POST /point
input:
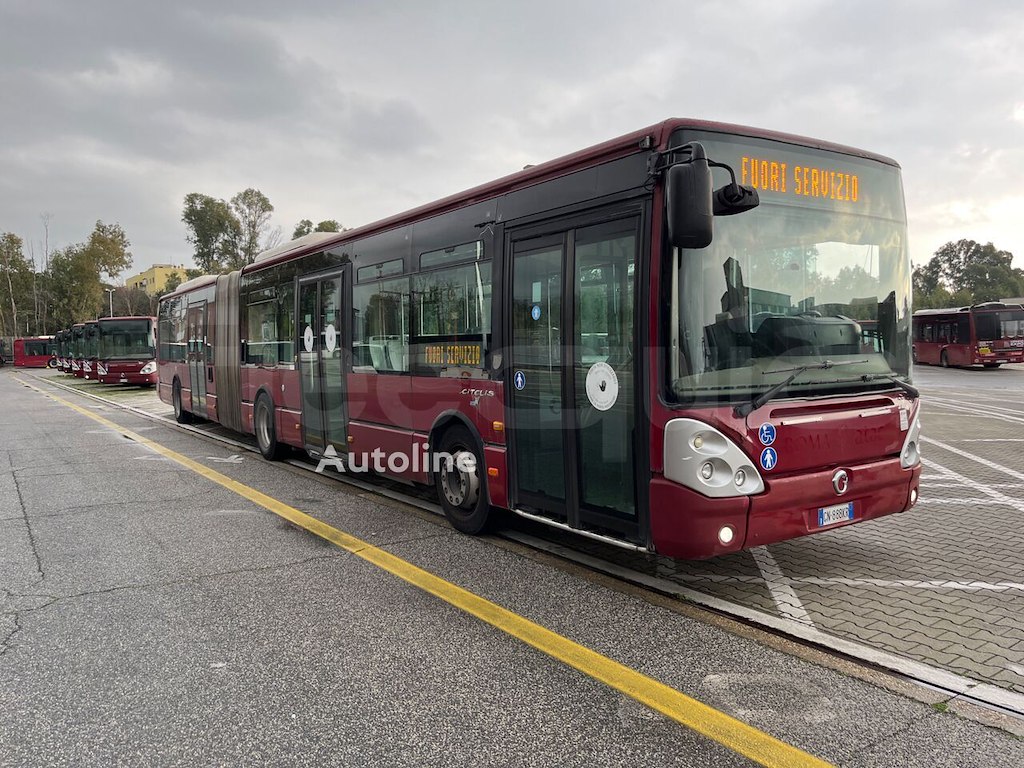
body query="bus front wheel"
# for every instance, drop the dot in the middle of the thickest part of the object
(458, 478)
(266, 433)
(180, 414)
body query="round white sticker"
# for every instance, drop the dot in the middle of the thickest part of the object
(330, 337)
(602, 386)
(307, 338)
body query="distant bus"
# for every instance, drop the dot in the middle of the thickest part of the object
(89, 349)
(988, 334)
(127, 351)
(598, 342)
(35, 352)
(76, 349)
(60, 340)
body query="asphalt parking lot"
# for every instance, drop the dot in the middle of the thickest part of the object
(126, 602)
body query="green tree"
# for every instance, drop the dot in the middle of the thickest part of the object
(252, 209)
(965, 272)
(78, 291)
(173, 282)
(305, 227)
(15, 283)
(213, 230)
(107, 249)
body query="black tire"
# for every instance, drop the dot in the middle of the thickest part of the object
(462, 494)
(263, 426)
(944, 359)
(180, 414)
(51, 363)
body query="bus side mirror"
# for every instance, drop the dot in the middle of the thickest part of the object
(688, 206)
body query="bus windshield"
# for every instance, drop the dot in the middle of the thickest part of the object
(1006, 324)
(127, 340)
(816, 275)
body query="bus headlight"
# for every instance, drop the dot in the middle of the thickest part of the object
(101, 369)
(700, 457)
(149, 367)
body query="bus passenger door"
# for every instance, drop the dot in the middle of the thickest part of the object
(321, 332)
(571, 377)
(195, 322)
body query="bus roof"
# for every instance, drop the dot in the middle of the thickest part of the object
(987, 306)
(126, 317)
(653, 136)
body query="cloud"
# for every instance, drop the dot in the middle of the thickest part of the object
(354, 111)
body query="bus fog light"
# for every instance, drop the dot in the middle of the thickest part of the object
(707, 470)
(726, 534)
(740, 478)
(698, 442)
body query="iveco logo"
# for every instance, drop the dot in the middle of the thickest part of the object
(840, 482)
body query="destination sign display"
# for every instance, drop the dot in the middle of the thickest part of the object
(789, 174)
(779, 176)
(453, 353)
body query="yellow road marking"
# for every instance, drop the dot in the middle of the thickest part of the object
(728, 731)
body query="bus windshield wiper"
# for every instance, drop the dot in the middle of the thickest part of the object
(746, 408)
(911, 390)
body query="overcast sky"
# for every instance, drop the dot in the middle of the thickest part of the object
(354, 111)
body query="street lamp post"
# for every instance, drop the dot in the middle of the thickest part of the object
(110, 295)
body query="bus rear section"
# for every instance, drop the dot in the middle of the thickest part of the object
(988, 334)
(35, 352)
(127, 351)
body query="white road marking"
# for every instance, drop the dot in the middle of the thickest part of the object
(992, 440)
(972, 457)
(234, 458)
(992, 493)
(782, 593)
(937, 585)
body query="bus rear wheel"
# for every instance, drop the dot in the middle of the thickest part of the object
(263, 425)
(459, 481)
(180, 414)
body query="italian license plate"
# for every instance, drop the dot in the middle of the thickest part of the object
(837, 513)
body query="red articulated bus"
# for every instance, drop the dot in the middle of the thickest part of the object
(988, 334)
(595, 342)
(127, 351)
(35, 352)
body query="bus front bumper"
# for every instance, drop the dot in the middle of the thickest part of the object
(687, 525)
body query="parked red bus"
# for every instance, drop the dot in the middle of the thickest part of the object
(595, 341)
(76, 349)
(34, 352)
(60, 341)
(988, 334)
(127, 351)
(90, 349)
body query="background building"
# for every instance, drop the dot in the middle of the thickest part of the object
(153, 280)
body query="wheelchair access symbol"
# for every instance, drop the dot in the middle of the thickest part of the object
(766, 433)
(769, 458)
